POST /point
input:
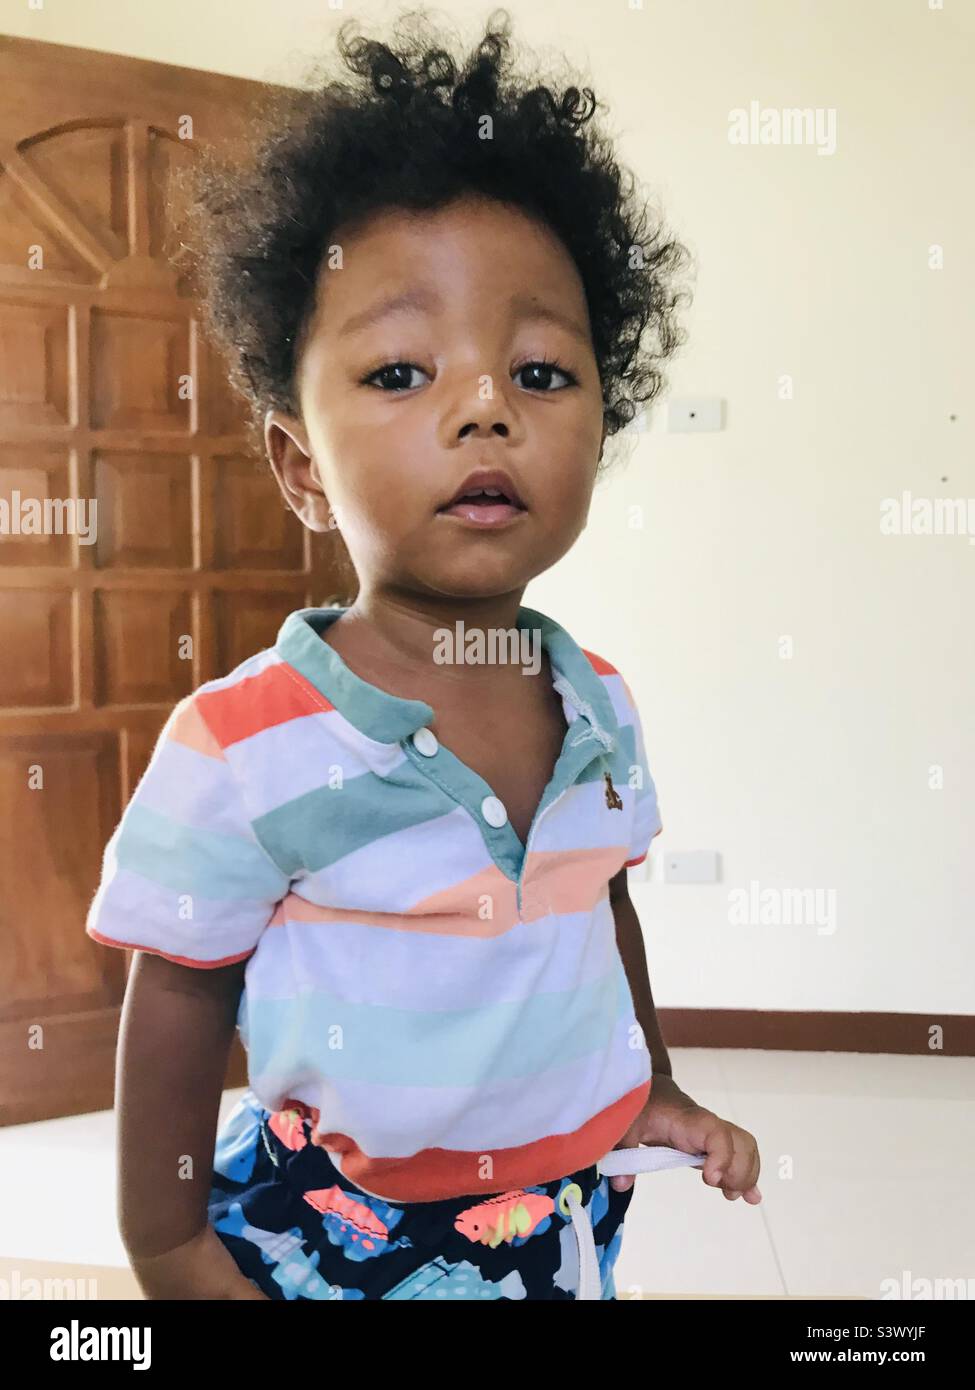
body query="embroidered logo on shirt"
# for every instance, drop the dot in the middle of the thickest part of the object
(613, 800)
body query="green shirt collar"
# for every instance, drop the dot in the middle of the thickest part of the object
(389, 718)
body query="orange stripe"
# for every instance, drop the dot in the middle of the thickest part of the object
(599, 664)
(455, 917)
(567, 881)
(435, 1174)
(556, 882)
(277, 694)
(177, 960)
(190, 728)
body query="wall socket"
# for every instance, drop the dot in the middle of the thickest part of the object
(693, 415)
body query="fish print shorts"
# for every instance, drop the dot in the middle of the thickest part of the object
(298, 1229)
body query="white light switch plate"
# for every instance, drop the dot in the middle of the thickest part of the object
(692, 866)
(694, 414)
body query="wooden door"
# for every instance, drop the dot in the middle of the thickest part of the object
(108, 394)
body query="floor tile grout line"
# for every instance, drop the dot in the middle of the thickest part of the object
(763, 1213)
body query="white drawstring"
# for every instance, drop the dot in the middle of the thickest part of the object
(641, 1159)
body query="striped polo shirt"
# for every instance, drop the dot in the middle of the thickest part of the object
(447, 1004)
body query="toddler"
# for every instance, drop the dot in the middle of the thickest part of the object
(392, 848)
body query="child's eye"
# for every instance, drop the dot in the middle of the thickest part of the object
(545, 370)
(393, 369)
(395, 376)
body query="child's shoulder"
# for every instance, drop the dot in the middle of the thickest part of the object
(226, 709)
(610, 674)
(242, 702)
(567, 645)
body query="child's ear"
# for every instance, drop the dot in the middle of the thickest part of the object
(290, 457)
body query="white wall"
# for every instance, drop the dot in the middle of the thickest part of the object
(811, 772)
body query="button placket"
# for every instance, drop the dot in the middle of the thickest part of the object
(494, 811)
(425, 742)
(463, 785)
(584, 741)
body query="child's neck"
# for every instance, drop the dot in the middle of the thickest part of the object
(403, 636)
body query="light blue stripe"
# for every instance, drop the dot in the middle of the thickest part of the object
(452, 1047)
(190, 860)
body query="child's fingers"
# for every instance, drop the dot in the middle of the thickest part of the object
(621, 1182)
(742, 1173)
(751, 1195)
(720, 1148)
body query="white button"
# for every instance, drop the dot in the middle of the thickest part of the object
(493, 811)
(425, 742)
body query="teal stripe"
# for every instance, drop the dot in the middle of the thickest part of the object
(322, 826)
(188, 859)
(595, 772)
(626, 756)
(317, 829)
(319, 1034)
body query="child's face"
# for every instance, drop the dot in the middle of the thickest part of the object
(386, 452)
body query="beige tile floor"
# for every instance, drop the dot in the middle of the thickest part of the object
(866, 1177)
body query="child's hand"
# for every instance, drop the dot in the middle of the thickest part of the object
(672, 1119)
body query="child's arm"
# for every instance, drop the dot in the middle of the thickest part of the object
(186, 883)
(174, 1041)
(629, 939)
(671, 1117)
(646, 826)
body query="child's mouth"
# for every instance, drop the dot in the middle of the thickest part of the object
(482, 510)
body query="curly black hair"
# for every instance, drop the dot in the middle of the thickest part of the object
(409, 131)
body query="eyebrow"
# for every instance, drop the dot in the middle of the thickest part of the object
(422, 301)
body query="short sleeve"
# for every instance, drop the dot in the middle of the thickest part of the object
(183, 875)
(646, 814)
